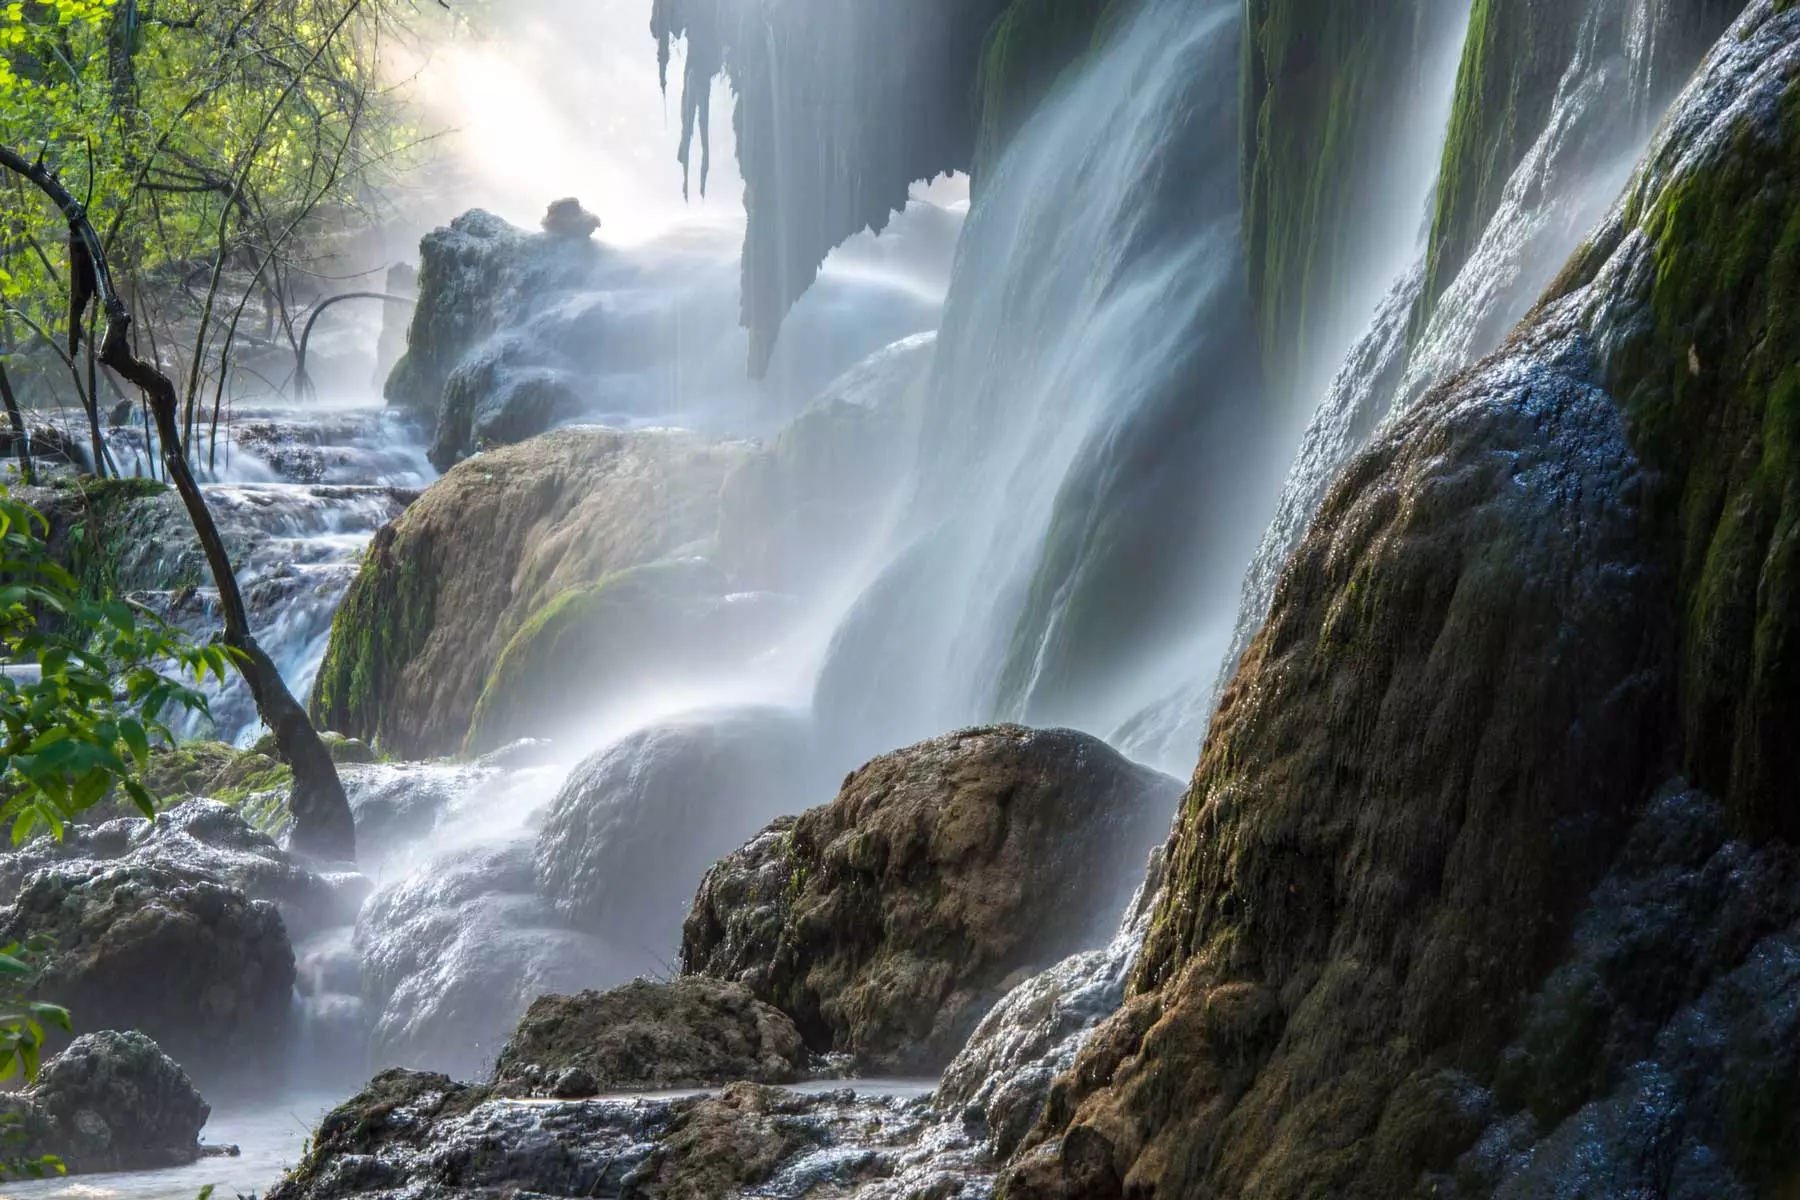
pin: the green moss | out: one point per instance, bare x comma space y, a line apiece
1513, 60
385, 619
1712, 391
1028, 50
1317, 104
103, 524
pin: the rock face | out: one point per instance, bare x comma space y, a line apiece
447, 586
888, 921
424, 1137
478, 279
638, 823
694, 1032
1557, 581
115, 1102
196, 965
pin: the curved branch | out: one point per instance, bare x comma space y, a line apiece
322, 823
300, 381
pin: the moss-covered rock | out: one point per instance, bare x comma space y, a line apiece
1514, 60
447, 586
693, 1032
887, 922
1557, 580
659, 625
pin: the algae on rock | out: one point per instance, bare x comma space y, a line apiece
445, 587
1557, 581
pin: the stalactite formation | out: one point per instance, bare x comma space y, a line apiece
841, 106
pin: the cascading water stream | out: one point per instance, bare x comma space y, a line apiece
1094, 402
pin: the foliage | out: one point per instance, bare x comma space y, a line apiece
86, 724
214, 142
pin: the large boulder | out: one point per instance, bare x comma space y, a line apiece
639, 822
443, 589
113, 1101
197, 965
1407, 943
887, 922
694, 1032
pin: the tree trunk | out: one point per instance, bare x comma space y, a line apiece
323, 827
21, 439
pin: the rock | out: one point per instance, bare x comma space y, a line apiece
454, 953
447, 586
115, 1102
478, 279
202, 840
410, 1136
887, 922
694, 1032
637, 824
198, 966
595, 650
567, 219
1550, 586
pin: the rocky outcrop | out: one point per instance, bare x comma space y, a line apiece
425, 1137
114, 1102
694, 1032
479, 280
445, 588
197, 965
639, 822
1554, 583
887, 922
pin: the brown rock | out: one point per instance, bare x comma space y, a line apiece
694, 1032
888, 921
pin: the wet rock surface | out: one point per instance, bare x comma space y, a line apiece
457, 950
693, 1032
1333, 995
195, 964
114, 1101
637, 824
889, 921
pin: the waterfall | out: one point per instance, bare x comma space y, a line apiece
1094, 405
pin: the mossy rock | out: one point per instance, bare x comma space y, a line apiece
1563, 577
639, 628
445, 588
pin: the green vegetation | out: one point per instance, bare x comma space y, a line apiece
1318, 94
83, 728
215, 144
1712, 392
383, 622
